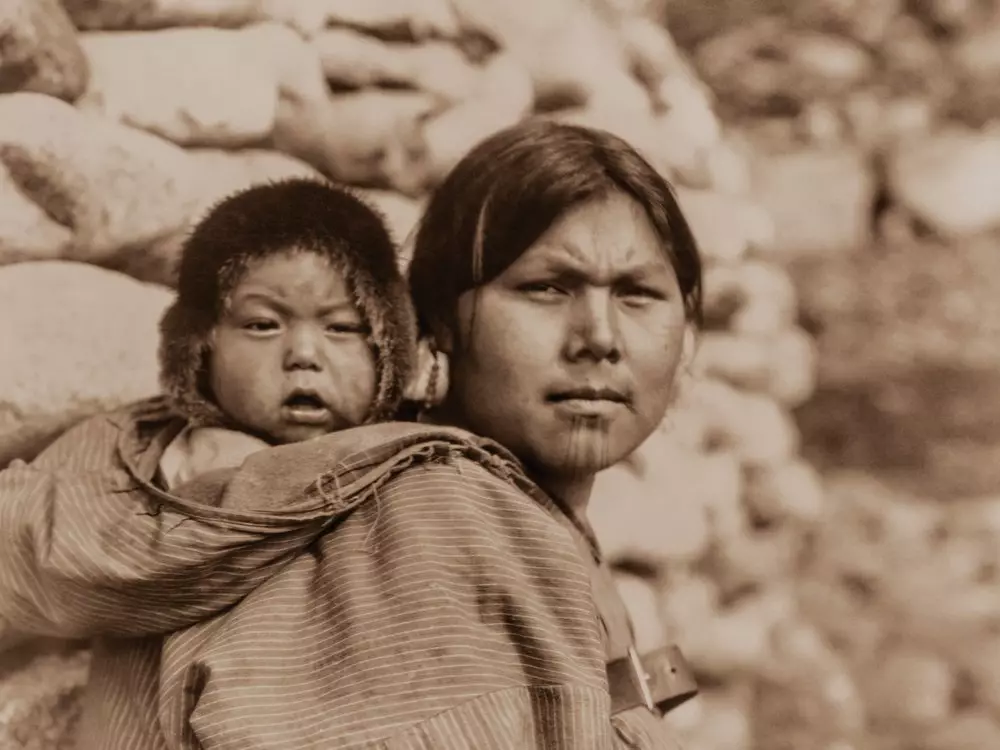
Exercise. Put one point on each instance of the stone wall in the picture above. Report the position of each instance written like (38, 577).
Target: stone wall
(873, 126)
(122, 120)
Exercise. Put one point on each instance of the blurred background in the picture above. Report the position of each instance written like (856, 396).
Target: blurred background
(817, 523)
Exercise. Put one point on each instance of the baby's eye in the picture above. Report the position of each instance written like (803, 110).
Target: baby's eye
(352, 328)
(260, 325)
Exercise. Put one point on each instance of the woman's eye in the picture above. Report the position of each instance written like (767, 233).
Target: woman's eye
(640, 295)
(541, 289)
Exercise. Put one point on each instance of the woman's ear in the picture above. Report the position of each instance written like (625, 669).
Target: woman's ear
(429, 382)
(689, 348)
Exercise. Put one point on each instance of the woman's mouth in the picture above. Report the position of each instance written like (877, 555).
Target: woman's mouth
(304, 407)
(589, 402)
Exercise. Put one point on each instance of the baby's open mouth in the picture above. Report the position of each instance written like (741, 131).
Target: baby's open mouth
(306, 408)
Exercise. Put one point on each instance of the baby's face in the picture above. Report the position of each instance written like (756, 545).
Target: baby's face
(291, 357)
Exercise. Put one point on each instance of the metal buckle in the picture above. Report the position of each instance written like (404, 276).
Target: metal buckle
(641, 678)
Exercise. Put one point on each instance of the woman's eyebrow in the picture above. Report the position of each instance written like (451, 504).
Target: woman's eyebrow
(573, 266)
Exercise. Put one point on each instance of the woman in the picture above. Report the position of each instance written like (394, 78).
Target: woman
(459, 600)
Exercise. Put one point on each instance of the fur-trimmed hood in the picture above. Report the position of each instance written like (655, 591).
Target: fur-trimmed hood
(273, 218)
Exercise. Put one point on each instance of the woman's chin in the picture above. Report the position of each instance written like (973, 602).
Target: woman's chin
(581, 461)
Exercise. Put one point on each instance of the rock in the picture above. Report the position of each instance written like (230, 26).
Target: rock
(225, 94)
(26, 231)
(758, 559)
(726, 239)
(504, 98)
(690, 114)
(157, 14)
(793, 491)
(413, 18)
(799, 647)
(371, 138)
(573, 57)
(764, 68)
(954, 15)
(688, 601)
(794, 375)
(797, 712)
(912, 61)
(971, 730)
(401, 214)
(750, 297)
(221, 173)
(40, 703)
(743, 65)
(410, 19)
(769, 299)
(643, 605)
(950, 181)
(725, 724)
(744, 361)
(651, 51)
(912, 687)
(980, 664)
(875, 124)
(837, 64)
(115, 187)
(350, 58)
(687, 718)
(718, 488)
(737, 640)
(637, 517)
(755, 427)
(782, 365)
(40, 50)
(977, 55)
(92, 349)
(685, 423)
(821, 125)
(844, 611)
(866, 21)
(295, 62)
(727, 166)
(832, 216)
(218, 175)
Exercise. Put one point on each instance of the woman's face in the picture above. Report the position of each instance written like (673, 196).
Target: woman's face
(568, 357)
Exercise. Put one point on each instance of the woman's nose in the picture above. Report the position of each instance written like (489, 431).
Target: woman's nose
(302, 349)
(594, 327)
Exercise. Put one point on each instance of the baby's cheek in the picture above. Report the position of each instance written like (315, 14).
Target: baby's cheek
(354, 384)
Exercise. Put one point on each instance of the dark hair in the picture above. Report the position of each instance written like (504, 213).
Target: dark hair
(506, 193)
(297, 214)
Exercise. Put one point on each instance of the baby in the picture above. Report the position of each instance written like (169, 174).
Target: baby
(291, 321)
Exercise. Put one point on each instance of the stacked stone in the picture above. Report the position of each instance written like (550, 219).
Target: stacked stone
(121, 122)
(875, 152)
